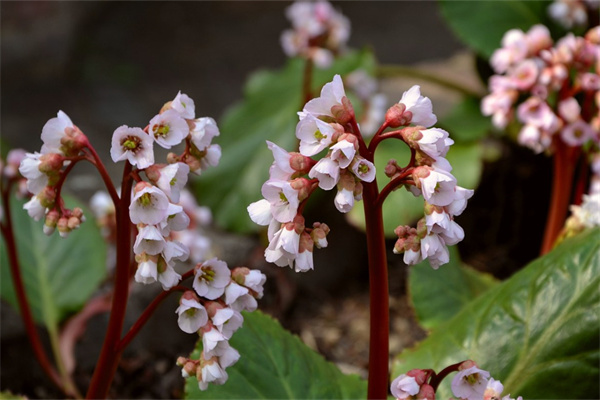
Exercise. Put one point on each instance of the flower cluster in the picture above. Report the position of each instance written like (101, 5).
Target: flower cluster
(470, 383)
(572, 13)
(584, 216)
(213, 310)
(553, 88)
(318, 32)
(431, 178)
(45, 172)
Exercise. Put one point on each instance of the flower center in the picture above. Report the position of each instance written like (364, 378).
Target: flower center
(173, 182)
(208, 274)
(319, 135)
(145, 200)
(161, 131)
(282, 197)
(363, 169)
(131, 143)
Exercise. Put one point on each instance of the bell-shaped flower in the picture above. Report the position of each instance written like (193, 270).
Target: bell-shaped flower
(363, 169)
(133, 145)
(459, 203)
(260, 212)
(205, 129)
(149, 240)
(147, 269)
(30, 169)
(404, 386)
(470, 383)
(239, 298)
(210, 278)
(314, 134)
(344, 200)
(283, 199)
(149, 205)
(166, 274)
(577, 133)
(211, 372)
(304, 259)
(184, 106)
(327, 172)
(332, 94)
(175, 250)
(493, 390)
(211, 157)
(281, 168)
(192, 314)
(227, 321)
(211, 337)
(419, 106)
(434, 249)
(173, 178)
(35, 209)
(168, 128)
(343, 152)
(176, 220)
(438, 187)
(434, 142)
(53, 132)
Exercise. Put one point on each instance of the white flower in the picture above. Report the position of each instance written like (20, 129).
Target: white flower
(212, 157)
(260, 212)
(184, 106)
(493, 390)
(35, 209)
(29, 168)
(434, 249)
(132, 144)
(344, 200)
(435, 142)
(53, 131)
(420, 107)
(327, 172)
(149, 240)
(284, 244)
(148, 206)
(211, 337)
(438, 187)
(281, 168)
(412, 257)
(210, 278)
(315, 135)
(173, 178)
(205, 129)
(331, 95)
(404, 386)
(168, 128)
(212, 372)
(176, 219)
(147, 271)
(304, 261)
(168, 278)
(451, 234)
(227, 321)
(363, 169)
(459, 203)
(255, 280)
(239, 298)
(343, 152)
(192, 315)
(470, 383)
(283, 199)
(175, 250)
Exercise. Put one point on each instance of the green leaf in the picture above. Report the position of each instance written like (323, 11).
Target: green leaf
(272, 99)
(59, 274)
(466, 122)
(401, 207)
(275, 364)
(537, 332)
(438, 295)
(481, 24)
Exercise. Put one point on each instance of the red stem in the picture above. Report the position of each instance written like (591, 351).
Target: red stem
(564, 168)
(104, 174)
(436, 379)
(141, 321)
(26, 314)
(393, 184)
(111, 353)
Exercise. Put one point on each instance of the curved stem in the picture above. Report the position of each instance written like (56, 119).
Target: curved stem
(110, 353)
(388, 71)
(141, 321)
(436, 379)
(104, 174)
(392, 185)
(380, 138)
(26, 314)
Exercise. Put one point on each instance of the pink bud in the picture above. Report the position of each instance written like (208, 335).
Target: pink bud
(397, 116)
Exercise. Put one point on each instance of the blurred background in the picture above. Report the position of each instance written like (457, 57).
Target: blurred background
(112, 63)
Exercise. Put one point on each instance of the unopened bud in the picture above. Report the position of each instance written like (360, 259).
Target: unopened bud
(51, 162)
(212, 307)
(466, 365)
(391, 168)
(47, 197)
(358, 191)
(421, 228)
(141, 186)
(73, 222)
(301, 163)
(172, 158)
(419, 375)
(319, 235)
(426, 392)
(343, 113)
(153, 172)
(397, 116)
(302, 186)
(63, 227)
(399, 246)
(165, 107)
(306, 243)
(238, 274)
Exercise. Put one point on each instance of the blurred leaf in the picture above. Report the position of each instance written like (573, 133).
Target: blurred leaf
(438, 295)
(59, 274)
(401, 207)
(272, 99)
(275, 364)
(481, 24)
(537, 332)
(465, 121)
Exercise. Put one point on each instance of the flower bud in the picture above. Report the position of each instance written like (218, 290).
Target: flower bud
(51, 221)
(63, 227)
(302, 186)
(47, 197)
(319, 234)
(73, 222)
(343, 113)
(301, 163)
(426, 392)
(51, 162)
(397, 116)
(391, 168)
(238, 275)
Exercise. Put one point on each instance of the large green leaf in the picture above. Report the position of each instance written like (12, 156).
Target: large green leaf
(454, 285)
(538, 332)
(275, 364)
(59, 274)
(401, 207)
(481, 24)
(272, 99)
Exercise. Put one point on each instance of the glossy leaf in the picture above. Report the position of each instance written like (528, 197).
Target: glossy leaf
(59, 274)
(272, 99)
(438, 295)
(481, 24)
(401, 207)
(537, 332)
(275, 364)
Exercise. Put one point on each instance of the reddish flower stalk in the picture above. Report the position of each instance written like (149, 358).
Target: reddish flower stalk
(110, 354)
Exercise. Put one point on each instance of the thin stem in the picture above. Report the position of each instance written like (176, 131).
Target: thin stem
(564, 168)
(26, 314)
(392, 185)
(141, 321)
(104, 174)
(380, 138)
(436, 379)
(110, 353)
(390, 71)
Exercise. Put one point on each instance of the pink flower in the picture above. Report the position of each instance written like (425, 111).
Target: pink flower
(184, 106)
(168, 128)
(204, 131)
(525, 74)
(569, 109)
(327, 172)
(210, 278)
(343, 152)
(281, 168)
(363, 169)
(434, 249)
(132, 144)
(315, 135)
(420, 107)
(283, 199)
(577, 133)
(404, 386)
(535, 111)
(470, 383)
(331, 95)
